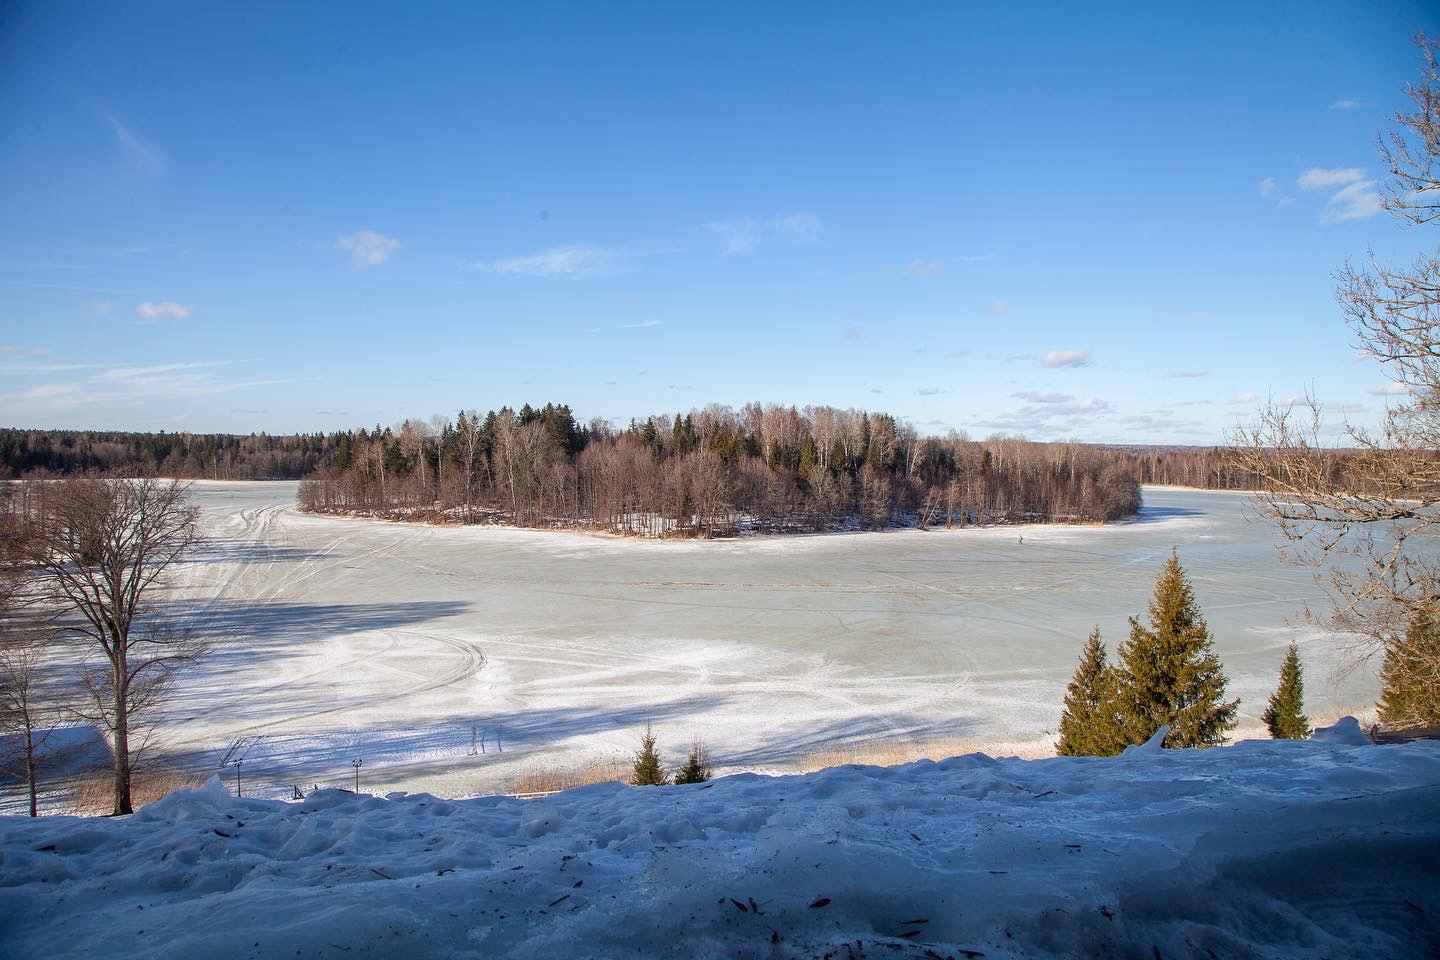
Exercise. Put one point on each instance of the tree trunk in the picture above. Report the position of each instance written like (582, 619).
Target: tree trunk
(31, 768)
(122, 734)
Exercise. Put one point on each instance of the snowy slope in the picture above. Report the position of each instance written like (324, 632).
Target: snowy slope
(1325, 848)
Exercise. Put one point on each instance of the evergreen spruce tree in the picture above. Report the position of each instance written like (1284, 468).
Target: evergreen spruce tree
(697, 767)
(1088, 726)
(1409, 684)
(649, 771)
(1168, 673)
(1284, 716)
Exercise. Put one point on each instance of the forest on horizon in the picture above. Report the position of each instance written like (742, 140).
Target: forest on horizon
(774, 467)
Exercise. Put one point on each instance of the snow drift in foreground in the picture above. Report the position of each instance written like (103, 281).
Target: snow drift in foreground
(1295, 849)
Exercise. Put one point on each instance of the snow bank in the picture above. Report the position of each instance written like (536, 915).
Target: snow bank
(1311, 849)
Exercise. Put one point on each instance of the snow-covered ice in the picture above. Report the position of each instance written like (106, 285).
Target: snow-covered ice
(405, 645)
(1326, 848)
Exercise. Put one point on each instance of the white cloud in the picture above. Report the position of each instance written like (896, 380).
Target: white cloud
(1344, 104)
(1091, 405)
(930, 391)
(1246, 397)
(997, 308)
(1066, 358)
(643, 324)
(1355, 202)
(1390, 390)
(1051, 412)
(741, 234)
(163, 310)
(102, 307)
(925, 269)
(148, 158)
(127, 373)
(1268, 187)
(1188, 374)
(50, 391)
(1354, 196)
(367, 248)
(1319, 178)
(107, 386)
(564, 261)
(13, 351)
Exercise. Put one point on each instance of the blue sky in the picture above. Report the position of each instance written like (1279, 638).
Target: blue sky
(1112, 224)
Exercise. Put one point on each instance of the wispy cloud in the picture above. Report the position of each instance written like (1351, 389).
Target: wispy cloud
(644, 324)
(1188, 374)
(1355, 202)
(925, 269)
(1049, 413)
(1353, 196)
(1320, 178)
(997, 308)
(367, 248)
(930, 391)
(1246, 397)
(13, 351)
(144, 155)
(1344, 104)
(1066, 358)
(1390, 390)
(1270, 189)
(563, 261)
(101, 307)
(111, 385)
(853, 332)
(155, 312)
(742, 234)
(1035, 397)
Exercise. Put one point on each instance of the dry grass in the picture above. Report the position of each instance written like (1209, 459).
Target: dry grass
(601, 770)
(893, 752)
(92, 794)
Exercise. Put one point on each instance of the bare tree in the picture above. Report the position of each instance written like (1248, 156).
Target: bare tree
(101, 549)
(26, 708)
(470, 435)
(1369, 518)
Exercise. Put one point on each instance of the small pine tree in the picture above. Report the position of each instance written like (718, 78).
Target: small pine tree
(1410, 675)
(649, 771)
(697, 767)
(1168, 673)
(1088, 726)
(1284, 715)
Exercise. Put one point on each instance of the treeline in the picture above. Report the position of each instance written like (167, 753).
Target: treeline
(191, 456)
(713, 472)
(1208, 468)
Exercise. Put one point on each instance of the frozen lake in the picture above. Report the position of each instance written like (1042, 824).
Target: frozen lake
(397, 645)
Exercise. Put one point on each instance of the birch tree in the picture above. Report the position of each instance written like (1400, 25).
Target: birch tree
(102, 550)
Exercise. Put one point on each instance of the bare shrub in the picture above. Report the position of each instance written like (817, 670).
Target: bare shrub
(93, 794)
(544, 779)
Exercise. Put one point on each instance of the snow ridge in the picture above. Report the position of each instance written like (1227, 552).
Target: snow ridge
(1267, 848)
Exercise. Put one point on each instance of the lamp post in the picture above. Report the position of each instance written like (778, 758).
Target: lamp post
(357, 763)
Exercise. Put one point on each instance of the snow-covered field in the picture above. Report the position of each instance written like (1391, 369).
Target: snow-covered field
(408, 647)
(1326, 848)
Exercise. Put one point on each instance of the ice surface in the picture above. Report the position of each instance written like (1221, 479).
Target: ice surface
(410, 647)
(1265, 849)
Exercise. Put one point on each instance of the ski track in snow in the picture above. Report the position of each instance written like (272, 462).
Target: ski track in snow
(343, 638)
